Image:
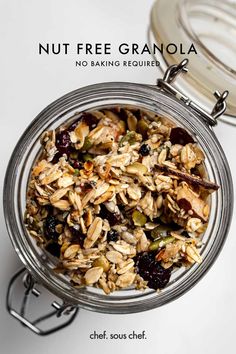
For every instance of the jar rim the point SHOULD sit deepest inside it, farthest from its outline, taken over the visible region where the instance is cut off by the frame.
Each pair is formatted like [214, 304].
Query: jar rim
[188, 23]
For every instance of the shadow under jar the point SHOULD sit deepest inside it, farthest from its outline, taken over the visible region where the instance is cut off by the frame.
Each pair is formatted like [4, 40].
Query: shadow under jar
[151, 98]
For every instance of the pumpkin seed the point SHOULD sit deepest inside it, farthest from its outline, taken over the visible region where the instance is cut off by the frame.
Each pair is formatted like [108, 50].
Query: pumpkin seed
[163, 241]
[138, 218]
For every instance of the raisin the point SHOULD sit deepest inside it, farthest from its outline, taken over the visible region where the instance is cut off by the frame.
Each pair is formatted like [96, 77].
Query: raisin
[145, 150]
[77, 236]
[112, 218]
[180, 136]
[88, 186]
[143, 260]
[50, 228]
[54, 249]
[112, 235]
[56, 157]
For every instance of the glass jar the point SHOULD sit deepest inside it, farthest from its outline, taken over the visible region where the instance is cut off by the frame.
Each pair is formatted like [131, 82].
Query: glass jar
[210, 25]
[155, 99]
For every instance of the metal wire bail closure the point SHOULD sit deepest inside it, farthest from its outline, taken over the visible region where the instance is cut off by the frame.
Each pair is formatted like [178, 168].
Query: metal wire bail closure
[165, 84]
[24, 285]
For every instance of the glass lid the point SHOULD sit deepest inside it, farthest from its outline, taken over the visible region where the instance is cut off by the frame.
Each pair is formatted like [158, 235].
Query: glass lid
[210, 25]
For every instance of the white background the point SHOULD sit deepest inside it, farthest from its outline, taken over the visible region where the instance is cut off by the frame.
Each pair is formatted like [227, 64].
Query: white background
[203, 320]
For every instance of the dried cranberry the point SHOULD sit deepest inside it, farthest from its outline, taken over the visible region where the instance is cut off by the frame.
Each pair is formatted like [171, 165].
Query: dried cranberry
[54, 249]
[180, 136]
[184, 204]
[50, 228]
[159, 276]
[113, 218]
[90, 120]
[112, 235]
[152, 271]
[63, 142]
[143, 260]
[74, 125]
[78, 165]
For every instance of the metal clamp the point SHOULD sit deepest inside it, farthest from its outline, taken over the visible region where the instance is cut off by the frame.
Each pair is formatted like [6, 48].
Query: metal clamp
[23, 285]
[165, 84]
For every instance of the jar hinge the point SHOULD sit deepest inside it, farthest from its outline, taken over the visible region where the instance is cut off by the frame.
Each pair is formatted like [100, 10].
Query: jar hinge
[22, 286]
[165, 84]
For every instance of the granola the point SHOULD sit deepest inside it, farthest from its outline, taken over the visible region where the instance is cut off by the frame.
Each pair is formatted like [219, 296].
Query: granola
[120, 197]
